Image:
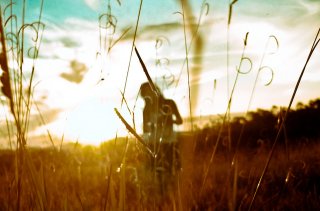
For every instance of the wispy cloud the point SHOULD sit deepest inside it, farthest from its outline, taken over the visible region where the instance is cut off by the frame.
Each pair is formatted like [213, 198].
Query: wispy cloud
[35, 121]
[78, 70]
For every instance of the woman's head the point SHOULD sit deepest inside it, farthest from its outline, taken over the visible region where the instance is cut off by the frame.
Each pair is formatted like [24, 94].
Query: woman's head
[147, 92]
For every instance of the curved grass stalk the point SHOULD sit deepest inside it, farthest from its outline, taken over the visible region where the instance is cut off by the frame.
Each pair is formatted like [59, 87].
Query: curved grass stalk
[108, 22]
[261, 68]
[36, 48]
[228, 63]
[19, 101]
[12, 37]
[23, 103]
[163, 63]
[239, 71]
[7, 91]
[228, 43]
[313, 47]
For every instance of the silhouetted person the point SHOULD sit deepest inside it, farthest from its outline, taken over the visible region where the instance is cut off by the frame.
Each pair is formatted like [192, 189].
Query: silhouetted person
[159, 116]
[150, 113]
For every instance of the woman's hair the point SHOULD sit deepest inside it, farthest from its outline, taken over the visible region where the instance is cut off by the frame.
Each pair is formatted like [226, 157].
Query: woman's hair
[146, 90]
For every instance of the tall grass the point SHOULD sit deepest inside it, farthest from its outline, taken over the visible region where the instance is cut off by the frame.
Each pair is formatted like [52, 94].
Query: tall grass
[132, 48]
[313, 47]
[227, 113]
[114, 176]
[260, 68]
[90, 178]
[18, 89]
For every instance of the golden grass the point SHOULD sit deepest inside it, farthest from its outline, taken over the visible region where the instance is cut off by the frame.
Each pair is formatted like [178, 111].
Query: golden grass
[114, 176]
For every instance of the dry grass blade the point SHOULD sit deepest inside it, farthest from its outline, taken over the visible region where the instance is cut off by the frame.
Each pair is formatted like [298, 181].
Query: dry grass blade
[227, 113]
[153, 87]
[121, 36]
[261, 68]
[230, 10]
[314, 45]
[133, 44]
[132, 131]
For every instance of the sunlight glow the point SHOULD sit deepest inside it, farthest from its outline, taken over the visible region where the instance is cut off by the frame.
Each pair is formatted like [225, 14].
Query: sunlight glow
[92, 122]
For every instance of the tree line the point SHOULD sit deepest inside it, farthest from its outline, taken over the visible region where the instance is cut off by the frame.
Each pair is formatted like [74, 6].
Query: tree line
[301, 125]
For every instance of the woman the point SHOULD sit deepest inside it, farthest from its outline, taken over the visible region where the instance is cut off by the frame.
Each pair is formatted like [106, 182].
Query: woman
[159, 115]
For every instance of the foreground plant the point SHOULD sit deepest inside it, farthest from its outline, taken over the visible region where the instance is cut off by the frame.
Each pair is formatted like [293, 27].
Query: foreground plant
[313, 47]
[18, 90]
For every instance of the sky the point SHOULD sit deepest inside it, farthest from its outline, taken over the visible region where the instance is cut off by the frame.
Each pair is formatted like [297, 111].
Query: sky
[84, 60]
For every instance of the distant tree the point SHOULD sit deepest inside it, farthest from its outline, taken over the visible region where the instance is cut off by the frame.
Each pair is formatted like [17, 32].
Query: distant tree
[300, 105]
[304, 121]
[314, 104]
[301, 124]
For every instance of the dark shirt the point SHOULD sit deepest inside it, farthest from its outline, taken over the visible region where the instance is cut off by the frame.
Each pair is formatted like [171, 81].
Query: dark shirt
[158, 119]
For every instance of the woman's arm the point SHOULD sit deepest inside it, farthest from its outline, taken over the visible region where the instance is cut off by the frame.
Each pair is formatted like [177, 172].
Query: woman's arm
[177, 120]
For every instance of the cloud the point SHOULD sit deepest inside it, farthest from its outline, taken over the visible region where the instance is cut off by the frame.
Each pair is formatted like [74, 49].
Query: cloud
[68, 42]
[285, 13]
[47, 116]
[93, 4]
[35, 121]
[169, 26]
[78, 70]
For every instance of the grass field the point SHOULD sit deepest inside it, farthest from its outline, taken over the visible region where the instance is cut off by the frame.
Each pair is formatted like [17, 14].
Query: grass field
[115, 176]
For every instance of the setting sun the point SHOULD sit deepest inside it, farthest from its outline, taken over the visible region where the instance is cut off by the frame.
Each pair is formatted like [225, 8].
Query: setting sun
[92, 122]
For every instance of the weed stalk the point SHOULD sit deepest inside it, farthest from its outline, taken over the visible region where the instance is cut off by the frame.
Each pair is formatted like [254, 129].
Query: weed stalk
[313, 47]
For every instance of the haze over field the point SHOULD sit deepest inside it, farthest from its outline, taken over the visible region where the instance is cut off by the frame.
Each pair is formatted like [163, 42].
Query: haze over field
[78, 81]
